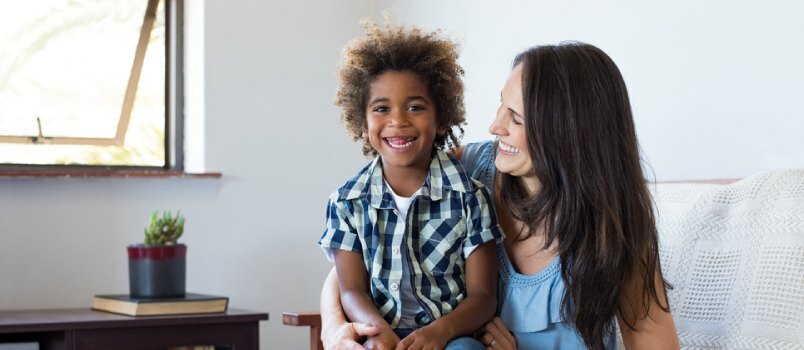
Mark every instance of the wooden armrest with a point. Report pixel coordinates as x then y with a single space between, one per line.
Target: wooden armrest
301 318
306 319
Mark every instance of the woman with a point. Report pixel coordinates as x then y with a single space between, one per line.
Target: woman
581 247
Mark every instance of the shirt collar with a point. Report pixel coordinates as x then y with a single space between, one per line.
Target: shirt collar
445 174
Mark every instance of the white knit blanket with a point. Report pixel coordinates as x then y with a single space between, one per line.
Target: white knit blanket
735 255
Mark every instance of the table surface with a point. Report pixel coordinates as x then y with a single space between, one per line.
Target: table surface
14 321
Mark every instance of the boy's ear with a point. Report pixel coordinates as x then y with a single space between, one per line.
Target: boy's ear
365 133
442 129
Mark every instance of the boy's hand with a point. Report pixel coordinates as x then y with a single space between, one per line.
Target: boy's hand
425 338
385 340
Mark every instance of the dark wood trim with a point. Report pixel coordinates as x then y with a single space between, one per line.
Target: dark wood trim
223 336
85 329
48 320
306 319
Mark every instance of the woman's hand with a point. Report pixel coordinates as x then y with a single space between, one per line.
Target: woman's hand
496 336
348 335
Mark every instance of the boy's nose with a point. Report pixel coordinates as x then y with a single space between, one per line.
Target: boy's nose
399 118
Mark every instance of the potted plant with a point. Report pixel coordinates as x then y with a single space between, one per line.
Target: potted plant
157 268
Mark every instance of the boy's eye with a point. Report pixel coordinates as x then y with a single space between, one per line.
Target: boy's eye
416 108
380 109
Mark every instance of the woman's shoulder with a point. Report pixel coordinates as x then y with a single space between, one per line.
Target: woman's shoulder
478 160
475 150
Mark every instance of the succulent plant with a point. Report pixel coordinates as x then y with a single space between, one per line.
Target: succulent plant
164 230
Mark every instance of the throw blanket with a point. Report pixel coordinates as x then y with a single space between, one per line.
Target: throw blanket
735 257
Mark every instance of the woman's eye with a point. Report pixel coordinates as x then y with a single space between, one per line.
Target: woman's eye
515 118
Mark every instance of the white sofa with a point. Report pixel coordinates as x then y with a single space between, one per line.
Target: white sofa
735 256
734 253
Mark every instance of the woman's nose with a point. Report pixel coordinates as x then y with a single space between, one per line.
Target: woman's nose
497 126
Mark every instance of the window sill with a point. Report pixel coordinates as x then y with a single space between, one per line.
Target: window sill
104 174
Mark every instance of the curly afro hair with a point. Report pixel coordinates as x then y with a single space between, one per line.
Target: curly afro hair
434 59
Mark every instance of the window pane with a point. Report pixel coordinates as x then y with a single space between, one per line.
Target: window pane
68 63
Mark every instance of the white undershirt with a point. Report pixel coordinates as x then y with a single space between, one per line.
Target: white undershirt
410 306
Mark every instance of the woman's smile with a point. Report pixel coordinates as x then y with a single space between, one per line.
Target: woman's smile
507 149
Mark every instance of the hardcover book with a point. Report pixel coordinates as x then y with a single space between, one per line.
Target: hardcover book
189 304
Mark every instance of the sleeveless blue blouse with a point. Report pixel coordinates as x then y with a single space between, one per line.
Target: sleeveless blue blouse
529 305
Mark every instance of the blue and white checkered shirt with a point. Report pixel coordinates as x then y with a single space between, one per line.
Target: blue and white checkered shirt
450 212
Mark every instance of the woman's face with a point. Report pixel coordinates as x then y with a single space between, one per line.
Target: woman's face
509 127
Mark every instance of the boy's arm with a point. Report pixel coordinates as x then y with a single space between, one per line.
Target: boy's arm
354 291
481 294
474 311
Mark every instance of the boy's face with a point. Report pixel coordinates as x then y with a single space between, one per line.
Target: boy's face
401 121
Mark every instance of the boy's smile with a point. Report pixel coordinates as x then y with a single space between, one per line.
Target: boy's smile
400 144
401 123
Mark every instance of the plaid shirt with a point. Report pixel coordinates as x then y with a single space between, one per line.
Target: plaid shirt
449 212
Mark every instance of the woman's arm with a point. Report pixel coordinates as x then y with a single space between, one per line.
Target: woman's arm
332 316
655 330
337 333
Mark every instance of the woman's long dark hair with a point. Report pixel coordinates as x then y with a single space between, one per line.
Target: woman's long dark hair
593 200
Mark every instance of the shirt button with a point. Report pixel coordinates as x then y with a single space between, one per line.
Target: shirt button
394 286
395 250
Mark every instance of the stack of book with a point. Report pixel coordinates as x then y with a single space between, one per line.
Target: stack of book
189 304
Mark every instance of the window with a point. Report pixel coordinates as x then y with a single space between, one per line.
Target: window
90 83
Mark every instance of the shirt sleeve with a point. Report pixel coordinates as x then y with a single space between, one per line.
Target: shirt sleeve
340 233
477 160
481 219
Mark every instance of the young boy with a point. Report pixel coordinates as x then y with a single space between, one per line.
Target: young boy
412 236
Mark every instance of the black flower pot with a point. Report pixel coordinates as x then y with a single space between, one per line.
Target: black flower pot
157 271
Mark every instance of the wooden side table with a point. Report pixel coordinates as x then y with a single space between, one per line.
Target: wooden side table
85 329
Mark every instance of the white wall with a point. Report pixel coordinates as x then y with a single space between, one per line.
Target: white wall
271 129
716 86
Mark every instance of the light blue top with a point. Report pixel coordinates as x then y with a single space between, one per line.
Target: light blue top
529 305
